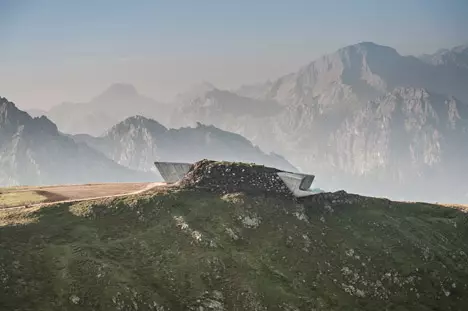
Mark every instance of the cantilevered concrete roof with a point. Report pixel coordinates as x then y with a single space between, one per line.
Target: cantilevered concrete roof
298 184
172 172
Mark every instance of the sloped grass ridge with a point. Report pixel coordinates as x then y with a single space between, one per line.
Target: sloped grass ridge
194 250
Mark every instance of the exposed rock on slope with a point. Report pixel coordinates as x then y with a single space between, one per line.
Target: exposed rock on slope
407 127
137 142
456 57
183 249
410 139
134 142
331 88
229 177
36 112
361 72
34 152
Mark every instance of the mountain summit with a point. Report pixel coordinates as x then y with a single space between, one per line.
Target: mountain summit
117 92
118 102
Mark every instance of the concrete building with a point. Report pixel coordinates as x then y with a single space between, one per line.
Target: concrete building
298 184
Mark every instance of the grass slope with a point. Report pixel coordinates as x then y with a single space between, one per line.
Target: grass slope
191 250
12 198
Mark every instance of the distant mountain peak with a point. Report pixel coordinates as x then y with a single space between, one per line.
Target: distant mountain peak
10 114
136 122
12 119
6 104
117 91
456 56
461 49
122 88
205 84
363 48
139 119
195 91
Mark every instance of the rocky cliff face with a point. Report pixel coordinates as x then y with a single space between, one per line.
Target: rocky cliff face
455 57
405 127
34 152
134 143
360 116
408 139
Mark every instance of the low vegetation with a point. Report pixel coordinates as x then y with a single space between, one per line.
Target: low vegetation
186 249
12 197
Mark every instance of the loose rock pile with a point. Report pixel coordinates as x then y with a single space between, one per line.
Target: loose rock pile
229 177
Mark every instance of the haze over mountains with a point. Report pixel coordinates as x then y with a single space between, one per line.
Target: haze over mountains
138 142
34 152
102 112
363 118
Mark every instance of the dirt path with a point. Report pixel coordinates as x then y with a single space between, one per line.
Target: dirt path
78 193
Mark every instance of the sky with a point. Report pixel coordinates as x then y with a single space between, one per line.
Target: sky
56 51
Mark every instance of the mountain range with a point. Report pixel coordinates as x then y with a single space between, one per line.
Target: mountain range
34 152
138 141
118 102
363 118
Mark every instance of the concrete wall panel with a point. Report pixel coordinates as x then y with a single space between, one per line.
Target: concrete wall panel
171 171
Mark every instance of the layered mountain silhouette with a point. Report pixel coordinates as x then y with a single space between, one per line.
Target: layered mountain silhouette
138 141
456 57
410 143
363 118
115 104
334 119
34 152
214 102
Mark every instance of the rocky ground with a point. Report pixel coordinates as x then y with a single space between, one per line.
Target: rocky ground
190 249
230 177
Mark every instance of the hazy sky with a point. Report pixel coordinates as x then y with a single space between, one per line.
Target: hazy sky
54 51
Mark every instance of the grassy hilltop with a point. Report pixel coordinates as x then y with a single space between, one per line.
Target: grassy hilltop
189 249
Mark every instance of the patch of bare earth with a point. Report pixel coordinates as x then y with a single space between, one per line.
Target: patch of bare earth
82 192
74 192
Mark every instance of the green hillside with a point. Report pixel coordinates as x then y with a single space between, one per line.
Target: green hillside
195 250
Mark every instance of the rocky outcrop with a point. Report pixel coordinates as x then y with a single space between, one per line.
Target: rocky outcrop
228 177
